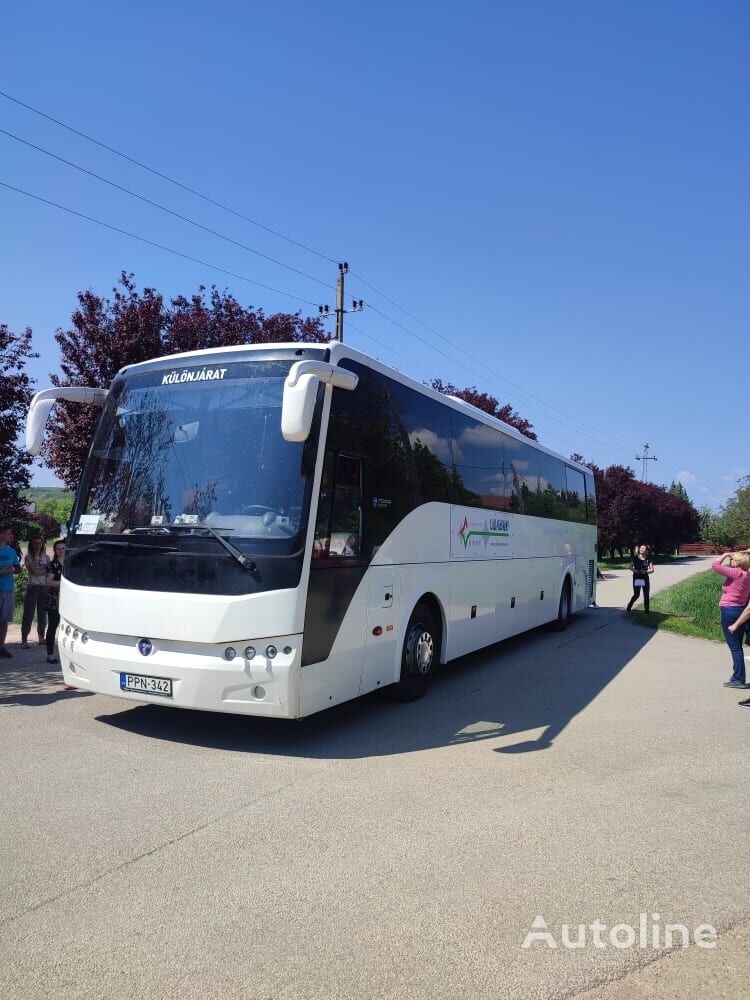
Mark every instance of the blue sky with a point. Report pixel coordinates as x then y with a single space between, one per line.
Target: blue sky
558 189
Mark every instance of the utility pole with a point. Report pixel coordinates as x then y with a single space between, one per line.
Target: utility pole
357 304
645 457
343 268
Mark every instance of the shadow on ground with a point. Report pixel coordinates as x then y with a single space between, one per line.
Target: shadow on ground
529 687
29 680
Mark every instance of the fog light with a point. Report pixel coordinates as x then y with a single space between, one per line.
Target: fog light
249 652
85 637
229 653
287 650
271 651
259 693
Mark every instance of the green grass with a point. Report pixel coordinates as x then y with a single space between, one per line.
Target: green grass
688 608
605 564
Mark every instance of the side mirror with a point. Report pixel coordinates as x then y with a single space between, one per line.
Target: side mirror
36 421
43 402
300 393
297 408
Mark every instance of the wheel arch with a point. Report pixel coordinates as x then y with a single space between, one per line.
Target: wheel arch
433 602
567 578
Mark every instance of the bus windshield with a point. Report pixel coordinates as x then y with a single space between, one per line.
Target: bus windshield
196 446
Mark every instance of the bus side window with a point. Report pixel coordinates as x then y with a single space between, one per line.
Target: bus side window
576 494
521 475
338 532
323 520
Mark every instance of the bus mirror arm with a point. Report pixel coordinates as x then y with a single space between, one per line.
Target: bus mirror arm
300 393
43 402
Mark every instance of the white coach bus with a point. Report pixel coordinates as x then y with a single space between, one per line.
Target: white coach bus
275 529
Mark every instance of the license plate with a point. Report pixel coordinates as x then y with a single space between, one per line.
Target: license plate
161 686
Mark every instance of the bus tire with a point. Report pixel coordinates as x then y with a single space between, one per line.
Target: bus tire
564 612
419 657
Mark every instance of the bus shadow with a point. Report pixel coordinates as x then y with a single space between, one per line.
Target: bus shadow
519 694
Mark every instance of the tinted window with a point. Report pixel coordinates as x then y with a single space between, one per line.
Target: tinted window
590 498
576 495
477 463
425 423
338 526
521 474
552 487
365 423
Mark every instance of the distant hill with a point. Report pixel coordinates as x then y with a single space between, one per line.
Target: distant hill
40 494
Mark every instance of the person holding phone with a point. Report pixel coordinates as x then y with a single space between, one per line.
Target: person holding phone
735 592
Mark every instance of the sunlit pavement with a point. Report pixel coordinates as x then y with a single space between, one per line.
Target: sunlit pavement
381 850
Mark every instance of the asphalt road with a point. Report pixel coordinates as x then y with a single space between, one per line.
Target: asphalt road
381 850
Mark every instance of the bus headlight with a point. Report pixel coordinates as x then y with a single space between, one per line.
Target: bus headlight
249 652
271 651
229 653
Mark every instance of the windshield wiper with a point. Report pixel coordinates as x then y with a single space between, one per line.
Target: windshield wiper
112 543
248 564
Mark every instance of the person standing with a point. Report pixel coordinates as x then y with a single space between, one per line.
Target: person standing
35 563
54 574
735 591
10 564
742 625
642 568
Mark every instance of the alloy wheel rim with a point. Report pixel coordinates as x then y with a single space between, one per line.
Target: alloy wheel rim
423 648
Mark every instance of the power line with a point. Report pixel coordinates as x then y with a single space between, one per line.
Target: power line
502 378
268 229
216 267
166 177
162 208
159 246
475 374
430 375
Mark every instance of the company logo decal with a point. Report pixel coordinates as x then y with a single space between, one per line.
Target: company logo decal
194 375
494 527
145 647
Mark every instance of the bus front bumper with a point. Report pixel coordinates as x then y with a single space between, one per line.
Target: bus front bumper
186 674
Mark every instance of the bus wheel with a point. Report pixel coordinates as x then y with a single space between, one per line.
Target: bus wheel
420 655
564 612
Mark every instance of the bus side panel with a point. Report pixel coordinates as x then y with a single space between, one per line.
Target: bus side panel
338 677
382 635
473 616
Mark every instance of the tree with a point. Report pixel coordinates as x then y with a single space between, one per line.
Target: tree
678 490
15 396
630 513
733 523
483 401
47 526
106 335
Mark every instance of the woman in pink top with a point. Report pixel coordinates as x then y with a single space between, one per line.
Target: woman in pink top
734 596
